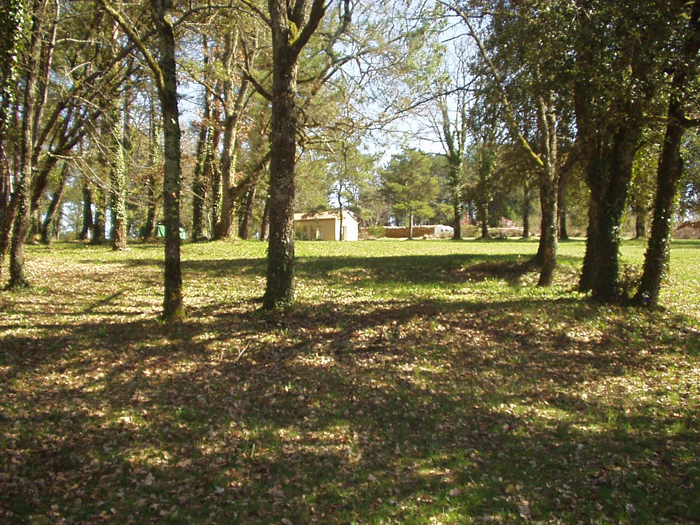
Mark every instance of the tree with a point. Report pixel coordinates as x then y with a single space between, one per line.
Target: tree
164 72
617 77
292 27
670 166
410 187
520 34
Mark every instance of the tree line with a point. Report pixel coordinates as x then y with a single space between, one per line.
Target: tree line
520 98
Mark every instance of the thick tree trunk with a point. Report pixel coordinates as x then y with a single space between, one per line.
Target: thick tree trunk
410 226
22 220
549 178
291 31
548 238
669 171
457 211
173 308
7 220
640 223
280 269
609 177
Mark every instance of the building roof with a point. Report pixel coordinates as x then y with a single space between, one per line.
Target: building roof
323 215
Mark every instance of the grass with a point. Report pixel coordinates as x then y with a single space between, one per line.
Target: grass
416 382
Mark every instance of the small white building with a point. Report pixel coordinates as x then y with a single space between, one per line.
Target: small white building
442 230
325 226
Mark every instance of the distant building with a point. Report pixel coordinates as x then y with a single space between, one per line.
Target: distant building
325 226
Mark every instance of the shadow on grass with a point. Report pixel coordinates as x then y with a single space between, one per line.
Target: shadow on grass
369 412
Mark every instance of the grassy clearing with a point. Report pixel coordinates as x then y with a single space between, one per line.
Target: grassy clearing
414 382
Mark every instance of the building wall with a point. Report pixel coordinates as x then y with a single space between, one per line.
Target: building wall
326 229
352 230
316 229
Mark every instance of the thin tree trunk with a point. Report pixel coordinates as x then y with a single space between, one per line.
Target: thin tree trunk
46 233
155 165
265 223
98 223
526 211
117 170
484 212
87 212
561 200
244 226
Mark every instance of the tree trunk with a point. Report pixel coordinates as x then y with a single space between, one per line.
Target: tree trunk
410 226
290 34
561 201
669 171
98 224
173 308
280 268
265 223
235 101
21 223
117 169
548 190
640 223
149 228
244 227
484 213
199 186
46 233
87 212
609 176
526 211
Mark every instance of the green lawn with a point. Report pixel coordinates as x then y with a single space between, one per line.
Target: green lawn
424 382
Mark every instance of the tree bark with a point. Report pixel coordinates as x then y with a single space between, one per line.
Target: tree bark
526 211
117 171
280 269
265 222
199 186
640 223
87 212
549 175
561 201
609 177
21 223
669 171
46 233
291 31
173 308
